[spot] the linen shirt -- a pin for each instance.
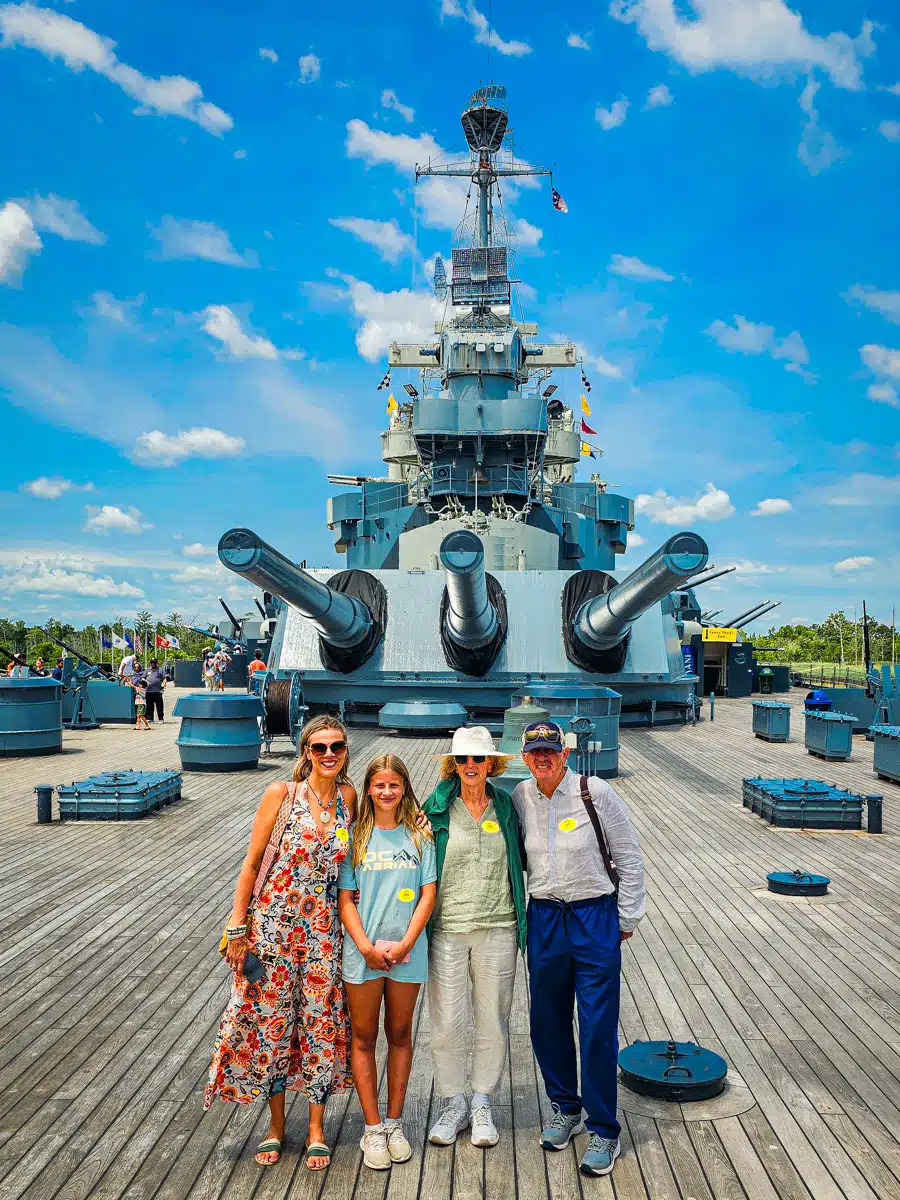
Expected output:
(564, 860)
(474, 891)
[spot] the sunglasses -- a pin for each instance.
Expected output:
(320, 748)
(545, 735)
(462, 759)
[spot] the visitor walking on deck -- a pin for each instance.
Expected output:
(140, 700)
(207, 669)
(586, 895)
(475, 934)
(286, 1026)
(155, 680)
(392, 868)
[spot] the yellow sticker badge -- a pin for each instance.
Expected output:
(342, 835)
(406, 895)
(568, 824)
(490, 826)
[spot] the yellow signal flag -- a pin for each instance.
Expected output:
(587, 450)
(392, 404)
(585, 407)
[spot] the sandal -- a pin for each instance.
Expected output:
(317, 1150)
(269, 1146)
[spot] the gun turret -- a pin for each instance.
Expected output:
(473, 611)
(343, 621)
(93, 669)
(601, 626)
(235, 623)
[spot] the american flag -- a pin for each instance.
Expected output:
(139, 649)
(558, 203)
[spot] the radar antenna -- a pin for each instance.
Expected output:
(440, 278)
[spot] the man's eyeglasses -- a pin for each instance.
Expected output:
(544, 734)
(320, 748)
(462, 759)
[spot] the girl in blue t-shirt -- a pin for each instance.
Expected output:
(391, 865)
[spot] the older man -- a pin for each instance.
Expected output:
(586, 895)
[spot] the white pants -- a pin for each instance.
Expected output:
(481, 964)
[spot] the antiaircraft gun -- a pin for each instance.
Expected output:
(78, 710)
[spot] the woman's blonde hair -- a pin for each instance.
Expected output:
(407, 809)
(304, 764)
(496, 766)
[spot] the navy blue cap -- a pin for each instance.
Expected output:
(542, 735)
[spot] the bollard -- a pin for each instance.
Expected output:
(874, 809)
(44, 805)
(712, 706)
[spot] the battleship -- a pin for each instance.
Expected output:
(479, 566)
(113, 987)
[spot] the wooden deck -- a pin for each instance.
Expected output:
(112, 991)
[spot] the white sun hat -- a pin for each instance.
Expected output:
(475, 740)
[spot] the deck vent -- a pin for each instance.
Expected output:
(676, 1071)
(797, 883)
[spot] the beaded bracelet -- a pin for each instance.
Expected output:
(236, 931)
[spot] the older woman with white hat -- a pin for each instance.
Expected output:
(477, 928)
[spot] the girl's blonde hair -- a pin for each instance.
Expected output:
(304, 764)
(496, 766)
(407, 809)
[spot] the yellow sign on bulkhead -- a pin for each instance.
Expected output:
(713, 634)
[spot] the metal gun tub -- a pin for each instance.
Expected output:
(342, 620)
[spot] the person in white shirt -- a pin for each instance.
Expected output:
(126, 668)
(586, 896)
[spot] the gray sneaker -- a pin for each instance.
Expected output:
(453, 1118)
(375, 1149)
(398, 1147)
(484, 1131)
(561, 1130)
(600, 1156)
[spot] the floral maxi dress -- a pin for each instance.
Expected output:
(291, 1031)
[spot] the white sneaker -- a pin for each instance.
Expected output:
(484, 1131)
(452, 1120)
(375, 1149)
(398, 1147)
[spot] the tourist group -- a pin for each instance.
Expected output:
(347, 903)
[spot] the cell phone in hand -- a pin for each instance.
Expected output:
(253, 970)
(384, 944)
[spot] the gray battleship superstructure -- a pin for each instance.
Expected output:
(479, 565)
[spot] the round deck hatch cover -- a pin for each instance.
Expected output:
(797, 883)
(676, 1071)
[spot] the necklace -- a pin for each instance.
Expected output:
(324, 814)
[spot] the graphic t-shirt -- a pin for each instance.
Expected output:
(389, 881)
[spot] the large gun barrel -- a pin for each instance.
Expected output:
(604, 622)
(235, 623)
(748, 614)
(342, 620)
(71, 650)
(767, 608)
(709, 576)
(471, 619)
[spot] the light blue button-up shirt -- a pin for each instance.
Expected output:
(564, 860)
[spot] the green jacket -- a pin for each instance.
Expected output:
(437, 809)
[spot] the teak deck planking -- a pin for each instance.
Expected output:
(113, 989)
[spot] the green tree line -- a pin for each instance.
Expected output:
(836, 640)
(36, 641)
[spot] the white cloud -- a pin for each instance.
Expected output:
(389, 101)
(759, 38)
(18, 239)
(53, 486)
(885, 303)
(111, 519)
(385, 236)
(749, 569)
(221, 323)
(854, 564)
(890, 130)
(240, 154)
(265, 52)
(158, 449)
(385, 317)
(119, 312)
(883, 393)
(310, 68)
(635, 540)
(882, 360)
(57, 36)
(596, 362)
(612, 117)
(53, 214)
(180, 238)
(862, 490)
(50, 578)
(746, 337)
(633, 268)
(662, 509)
(577, 42)
(818, 148)
(659, 97)
(772, 507)
(528, 236)
(484, 34)
(198, 550)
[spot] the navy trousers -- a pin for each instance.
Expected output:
(574, 954)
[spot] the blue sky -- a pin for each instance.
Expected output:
(209, 233)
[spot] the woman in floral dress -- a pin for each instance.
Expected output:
(290, 1030)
